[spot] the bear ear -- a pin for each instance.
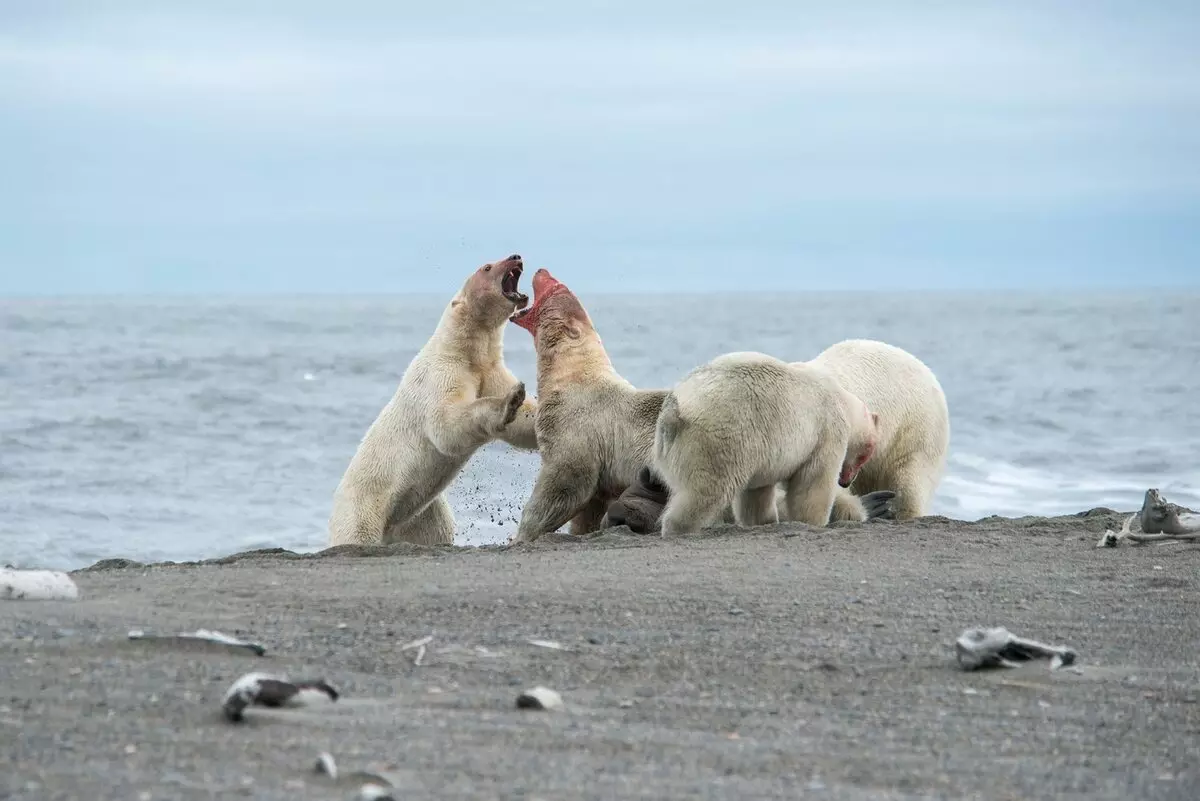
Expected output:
(573, 330)
(874, 418)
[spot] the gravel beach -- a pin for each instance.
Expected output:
(780, 662)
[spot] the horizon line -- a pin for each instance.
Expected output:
(1140, 289)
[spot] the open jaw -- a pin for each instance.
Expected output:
(509, 283)
(544, 285)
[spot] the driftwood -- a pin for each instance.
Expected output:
(202, 635)
(1161, 521)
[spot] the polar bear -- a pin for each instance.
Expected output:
(914, 424)
(735, 427)
(594, 429)
(455, 396)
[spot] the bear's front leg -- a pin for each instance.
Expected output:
(458, 429)
(520, 432)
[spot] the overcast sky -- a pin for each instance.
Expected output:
(225, 146)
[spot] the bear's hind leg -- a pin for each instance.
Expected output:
(756, 507)
(589, 517)
(914, 485)
(687, 512)
(561, 491)
(433, 525)
(698, 503)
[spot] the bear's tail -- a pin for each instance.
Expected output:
(669, 424)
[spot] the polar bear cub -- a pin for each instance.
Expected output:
(914, 423)
(734, 428)
(456, 396)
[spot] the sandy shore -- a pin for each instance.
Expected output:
(783, 662)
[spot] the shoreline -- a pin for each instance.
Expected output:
(615, 537)
(779, 662)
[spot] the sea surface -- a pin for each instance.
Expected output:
(181, 428)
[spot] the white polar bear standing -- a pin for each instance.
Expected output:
(914, 424)
(734, 428)
(455, 396)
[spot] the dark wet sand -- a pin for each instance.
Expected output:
(783, 662)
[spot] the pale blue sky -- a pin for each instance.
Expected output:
(225, 146)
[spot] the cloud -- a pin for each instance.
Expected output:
(660, 124)
(236, 73)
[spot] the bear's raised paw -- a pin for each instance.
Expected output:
(515, 398)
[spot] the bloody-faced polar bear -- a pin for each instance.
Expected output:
(914, 423)
(456, 396)
(734, 428)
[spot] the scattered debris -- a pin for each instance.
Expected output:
(1161, 521)
(551, 644)
(36, 585)
(1162, 517)
(540, 698)
(1110, 538)
(375, 792)
(269, 690)
(997, 647)
(420, 646)
(203, 635)
(326, 765)
(373, 786)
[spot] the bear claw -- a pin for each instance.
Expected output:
(515, 399)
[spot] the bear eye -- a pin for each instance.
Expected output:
(487, 268)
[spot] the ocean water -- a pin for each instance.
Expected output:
(179, 429)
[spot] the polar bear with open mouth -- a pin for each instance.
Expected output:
(456, 396)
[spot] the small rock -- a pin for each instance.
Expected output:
(131, 749)
(625, 704)
(540, 698)
(326, 765)
(375, 792)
